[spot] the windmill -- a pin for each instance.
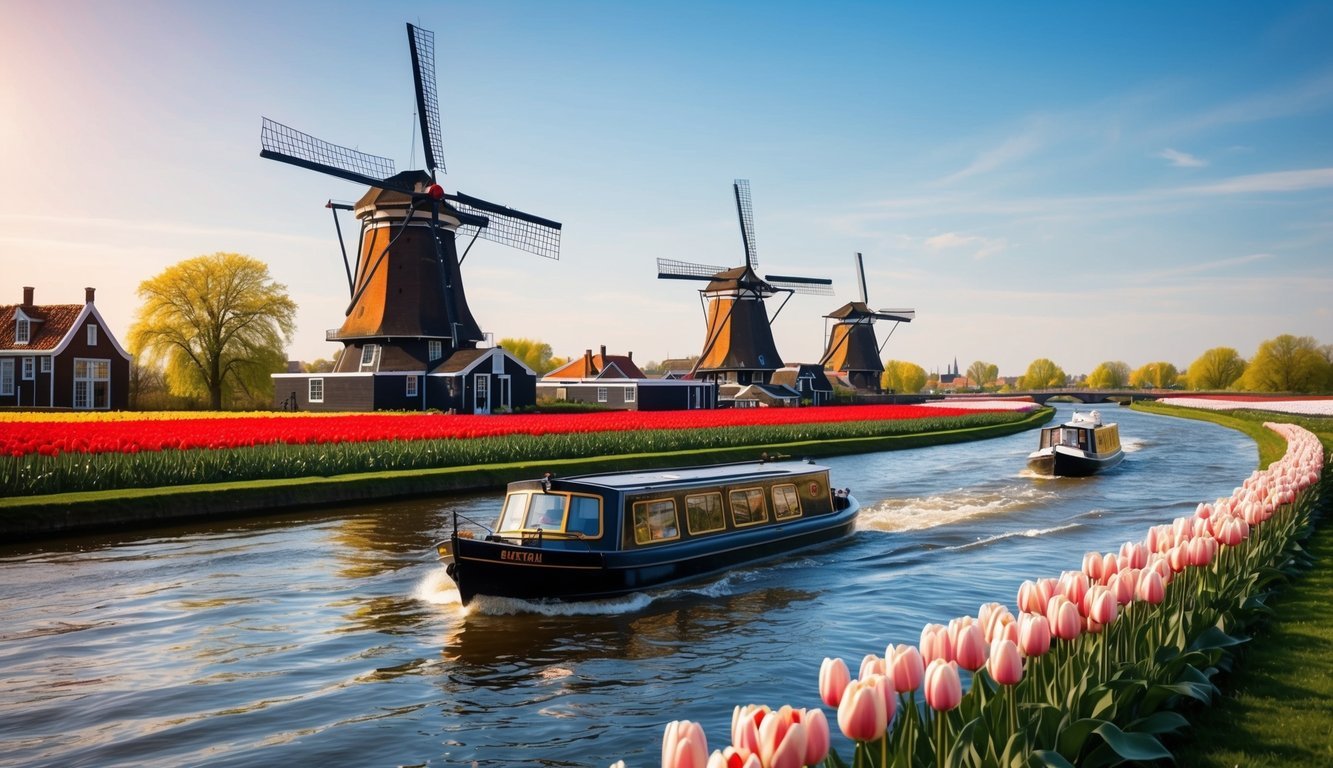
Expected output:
(407, 309)
(852, 347)
(738, 347)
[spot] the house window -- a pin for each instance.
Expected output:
(46, 365)
(505, 393)
(29, 368)
(6, 376)
(411, 386)
(92, 335)
(316, 394)
(601, 394)
(22, 330)
(629, 394)
(436, 349)
(92, 383)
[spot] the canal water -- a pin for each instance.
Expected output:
(333, 638)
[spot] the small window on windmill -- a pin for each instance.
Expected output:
(369, 355)
(436, 349)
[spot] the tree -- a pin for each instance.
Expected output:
(1217, 368)
(534, 354)
(318, 366)
(1287, 364)
(219, 322)
(904, 377)
(1154, 375)
(1112, 374)
(982, 374)
(1043, 374)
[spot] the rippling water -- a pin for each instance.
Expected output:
(334, 638)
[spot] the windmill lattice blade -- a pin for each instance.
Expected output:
(861, 277)
(745, 208)
(901, 315)
(291, 146)
(812, 286)
(509, 227)
(686, 270)
(422, 44)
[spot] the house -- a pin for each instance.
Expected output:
(478, 381)
(615, 381)
(60, 356)
(810, 382)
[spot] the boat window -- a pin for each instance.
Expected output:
(655, 521)
(511, 519)
(785, 503)
(703, 512)
(747, 506)
(546, 511)
(585, 516)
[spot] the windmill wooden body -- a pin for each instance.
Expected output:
(739, 350)
(852, 349)
(408, 319)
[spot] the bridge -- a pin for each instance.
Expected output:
(1083, 395)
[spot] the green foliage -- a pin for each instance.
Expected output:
(1043, 374)
(219, 324)
(1159, 375)
(1289, 364)
(903, 377)
(982, 374)
(1217, 368)
(1112, 374)
(534, 354)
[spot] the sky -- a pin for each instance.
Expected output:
(1083, 182)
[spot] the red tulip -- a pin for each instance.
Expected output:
(684, 745)
(833, 679)
(1005, 665)
(734, 757)
(944, 689)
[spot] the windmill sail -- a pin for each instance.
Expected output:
(289, 145)
(745, 210)
(671, 269)
(507, 226)
(422, 44)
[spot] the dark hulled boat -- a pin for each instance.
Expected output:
(599, 536)
(1080, 447)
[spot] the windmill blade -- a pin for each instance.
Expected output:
(901, 315)
(507, 226)
(812, 286)
(861, 277)
(745, 209)
(422, 44)
(671, 269)
(289, 145)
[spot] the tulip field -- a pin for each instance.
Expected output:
(59, 453)
(1089, 670)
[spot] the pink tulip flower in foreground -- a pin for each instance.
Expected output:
(817, 739)
(833, 679)
(1034, 634)
(970, 648)
(944, 689)
(862, 715)
(782, 739)
(1151, 588)
(935, 643)
(1005, 665)
(1066, 622)
(684, 745)
(906, 667)
(733, 757)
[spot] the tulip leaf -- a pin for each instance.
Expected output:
(1075, 735)
(1134, 747)
(1165, 721)
(1214, 638)
(1045, 758)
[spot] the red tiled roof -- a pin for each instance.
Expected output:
(51, 322)
(591, 366)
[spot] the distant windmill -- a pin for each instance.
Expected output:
(852, 347)
(738, 347)
(408, 311)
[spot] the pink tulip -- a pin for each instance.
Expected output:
(1110, 565)
(1092, 566)
(907, 668)
(782, 739)
(1030, 598)
(884, 685)
(1104, 607)
(1122, 585)
(1151, 588)
(1074, 585)
(993, 617)
(684, 745)
(935, 643)
(1066, 623)
(1004, 665)
(1034, 634)
(833, 679)
(944, 689)
(745, 726)
(734, 757)
(970, 648)
(861, 714)
(817, 739)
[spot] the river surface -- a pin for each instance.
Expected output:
(333, 638)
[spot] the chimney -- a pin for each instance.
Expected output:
(27, 295)
(88, 295)
(630, 355)
(587, 362)
(603, 353)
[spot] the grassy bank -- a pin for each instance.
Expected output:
(32, 517)
(1277, 705)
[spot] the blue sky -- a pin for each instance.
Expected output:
(1084, 182)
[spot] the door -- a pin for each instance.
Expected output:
(481, 393)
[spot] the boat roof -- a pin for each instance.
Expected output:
(688, 476)
(1089, 420)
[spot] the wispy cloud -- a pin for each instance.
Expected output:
(1210, 266)
(1310, 95)
(1009, 151)
(1181, 159)
(981, 247)
(1277, 181)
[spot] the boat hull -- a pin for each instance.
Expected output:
(1071, 463)
(502, 569)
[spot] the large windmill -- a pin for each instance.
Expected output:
(738, 347)
(852, 347)
(407, 310)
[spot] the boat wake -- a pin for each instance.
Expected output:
(929, 512)
(1031, 533)
(1133, 445)
(436, 588)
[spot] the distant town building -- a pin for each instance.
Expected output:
(615, 381)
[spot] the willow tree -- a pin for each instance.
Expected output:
(534, 354)
(1112, 374)
(902, 376)
(1287, 364)
(1217, 368)
(1158, 375)
(1043, 374)
(219, 323)
(981, 374)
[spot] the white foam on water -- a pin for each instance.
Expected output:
(1030, 533)
(437, 588)
(509, 606)
(1133, 445)
(920, 513)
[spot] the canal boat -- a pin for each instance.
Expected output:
(603, 535)
(1082, 446)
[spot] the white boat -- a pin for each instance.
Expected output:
(1082, 446)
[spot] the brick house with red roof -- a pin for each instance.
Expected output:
(60, 356)
(616, 381)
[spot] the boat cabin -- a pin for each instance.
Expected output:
(1086, 432)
